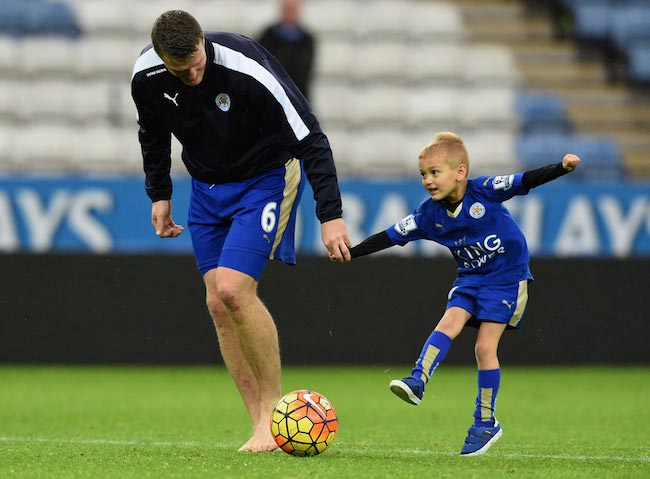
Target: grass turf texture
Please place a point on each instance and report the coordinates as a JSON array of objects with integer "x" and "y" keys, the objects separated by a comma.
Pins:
[{"x": 138, "y": 422}]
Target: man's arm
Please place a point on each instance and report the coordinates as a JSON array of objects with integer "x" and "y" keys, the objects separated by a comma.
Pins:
[
  {"x": 320, "y": 169},
  {"x": 155, "y": 142}
]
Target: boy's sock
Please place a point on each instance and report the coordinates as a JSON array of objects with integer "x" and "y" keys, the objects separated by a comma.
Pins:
[
  {"x": 488, "y": 387},
  {"x": 432, "y": 354}
]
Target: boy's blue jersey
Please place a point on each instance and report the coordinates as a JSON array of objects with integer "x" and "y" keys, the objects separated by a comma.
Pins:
[{"x": 484, "y": 239}]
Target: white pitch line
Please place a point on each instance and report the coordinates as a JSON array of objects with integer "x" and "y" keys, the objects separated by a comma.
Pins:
[
  {"x": 113, "y": 442},
  {"x": 346, "y": 450}
]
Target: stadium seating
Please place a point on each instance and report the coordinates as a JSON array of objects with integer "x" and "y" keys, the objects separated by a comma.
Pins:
[
  {"x": 629, "y": 41},
  {"x": 542, "y": 112},
  {"x": 388, "y": 75},
  {"x": 540, "y": 149},
  {"x": 620, "y": 29},
  {"x": 490, "y": 64}
]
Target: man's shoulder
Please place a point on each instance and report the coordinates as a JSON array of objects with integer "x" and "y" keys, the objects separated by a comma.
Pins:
[
  {"x": 148, "y": 64},
  {"x": 233, "y": 41}
]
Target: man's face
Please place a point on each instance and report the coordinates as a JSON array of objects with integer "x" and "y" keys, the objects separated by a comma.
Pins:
[{"x": 190, "y": 70}]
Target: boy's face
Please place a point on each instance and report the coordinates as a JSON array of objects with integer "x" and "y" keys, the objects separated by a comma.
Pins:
[
  {"x": 440, "y": 180},
  {"x": 190, "y": 70}
]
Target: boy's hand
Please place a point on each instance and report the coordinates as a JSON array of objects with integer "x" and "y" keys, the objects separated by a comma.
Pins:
[{"x": 570, "y": 161}]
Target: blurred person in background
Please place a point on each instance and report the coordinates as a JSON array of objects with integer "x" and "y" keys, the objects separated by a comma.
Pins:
[
  {"x": 249, "y": 140},
  {"x": 292, "y": 44},
  {"x": 491, "y": 288}
]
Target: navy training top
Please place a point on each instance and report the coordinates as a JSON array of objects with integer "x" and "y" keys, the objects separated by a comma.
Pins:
[{"x": 244, "y": 118}]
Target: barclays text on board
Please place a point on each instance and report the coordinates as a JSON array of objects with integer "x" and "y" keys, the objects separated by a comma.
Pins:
[{"x": 112, "y": 215}]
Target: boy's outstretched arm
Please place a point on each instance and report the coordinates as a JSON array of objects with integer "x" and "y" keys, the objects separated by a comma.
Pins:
[
  {"x": 539, "y": 176},
  {"x": 372, "y": 244}
]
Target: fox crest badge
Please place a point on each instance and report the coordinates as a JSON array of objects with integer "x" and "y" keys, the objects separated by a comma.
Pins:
[{"x": 223, "y": 101}]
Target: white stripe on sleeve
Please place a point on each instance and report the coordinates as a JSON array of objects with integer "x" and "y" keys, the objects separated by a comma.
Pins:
[
  {"x": 237, "y": 61},
  {"x": 147, "y": 60}
]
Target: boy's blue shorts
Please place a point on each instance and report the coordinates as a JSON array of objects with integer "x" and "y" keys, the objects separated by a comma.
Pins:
[
  {"x": 242, "y": 224},
  {"x": 504, "y": 304}
]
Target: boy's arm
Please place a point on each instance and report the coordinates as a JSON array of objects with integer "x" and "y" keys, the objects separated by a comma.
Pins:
[
  {"x": 372, "y": 244},
  {"x": 539, "y": 176}
]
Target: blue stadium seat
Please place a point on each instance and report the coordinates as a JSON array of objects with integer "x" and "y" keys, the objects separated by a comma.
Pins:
[
  {"x": 639, "y": 62},
  {"x": 630, "y": 41},
  {"x": 628, "y": 25},
  {"x": 633, "y": 3},
  {"x": 36, "y": 17},
  {"x": 591, "y": 18},
  {"x": 542, "y": 112},
  {"x": 51, "y": 18},
  {"x": 540, "y": 149},
  {"x": 12, "y": 18},
  {"x": 601, "y": 155}
]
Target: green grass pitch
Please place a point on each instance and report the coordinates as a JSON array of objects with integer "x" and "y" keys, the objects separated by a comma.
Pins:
[{"x": 187, "y": 422}]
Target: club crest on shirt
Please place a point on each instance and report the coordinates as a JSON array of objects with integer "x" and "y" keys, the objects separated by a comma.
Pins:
[
  {"x": 223, "y": 101},
  {"x": 477, "y": 210},
  {"x": 406, "y": 225}
]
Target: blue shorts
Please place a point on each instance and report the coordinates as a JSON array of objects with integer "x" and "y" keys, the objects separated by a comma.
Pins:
[
  {"x": 504, "y": 304},
  {"x": 242, "y": 224}
]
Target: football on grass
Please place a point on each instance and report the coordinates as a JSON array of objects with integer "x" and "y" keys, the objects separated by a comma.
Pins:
[{"x": 304, "y": 423}]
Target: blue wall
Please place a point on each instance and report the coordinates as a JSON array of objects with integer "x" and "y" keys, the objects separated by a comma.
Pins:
[{"x": 112, "y": 215}]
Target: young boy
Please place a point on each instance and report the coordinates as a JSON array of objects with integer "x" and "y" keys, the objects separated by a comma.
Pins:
[{"x": 490, "y": 291}]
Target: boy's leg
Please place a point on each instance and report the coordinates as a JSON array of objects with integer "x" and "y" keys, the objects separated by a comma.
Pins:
[
  {"x": 489, "y": 371},
  {"x": 433, "y": 352},
  {"x": 486, "y": 429},
  {"x": 411, "y": 388}
]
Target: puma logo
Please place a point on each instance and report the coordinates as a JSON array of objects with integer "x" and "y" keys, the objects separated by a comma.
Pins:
[
  {"x": 508, "y": 304},
  {"x": 172, "y": 99}
]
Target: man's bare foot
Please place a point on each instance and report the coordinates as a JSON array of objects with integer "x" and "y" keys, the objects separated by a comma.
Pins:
[
  {"x": 262, "y": 441},
  {"x": 254, "y": 445}
]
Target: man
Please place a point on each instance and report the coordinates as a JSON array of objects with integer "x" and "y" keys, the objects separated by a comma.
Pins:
[
  {"x": 291, "y": 44},
  {"x": 246, "y": 133}
]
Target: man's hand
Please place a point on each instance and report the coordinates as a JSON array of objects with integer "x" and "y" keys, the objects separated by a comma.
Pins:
[
  {"x": 161, "y": 219},
  {"x": 570, "y": 161},
  {"x": 334, "y": 234}
]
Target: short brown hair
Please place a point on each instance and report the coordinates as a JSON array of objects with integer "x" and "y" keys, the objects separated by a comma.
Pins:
[
  {"x": 176, "y": 34},
  {"x": 453, "y": 146}
]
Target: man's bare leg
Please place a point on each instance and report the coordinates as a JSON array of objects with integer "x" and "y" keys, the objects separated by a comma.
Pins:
[
  {"x": 249, "y": 342},
  {"x": 232, "y": 354}
]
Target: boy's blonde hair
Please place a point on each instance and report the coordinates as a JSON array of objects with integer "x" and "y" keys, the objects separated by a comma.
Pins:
[{"x": 451, "y": 145}]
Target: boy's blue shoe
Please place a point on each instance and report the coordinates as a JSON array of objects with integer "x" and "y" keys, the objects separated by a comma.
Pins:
[
  {"x": 409, "y": 389},
  {"x": 479, "y": 439}
]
